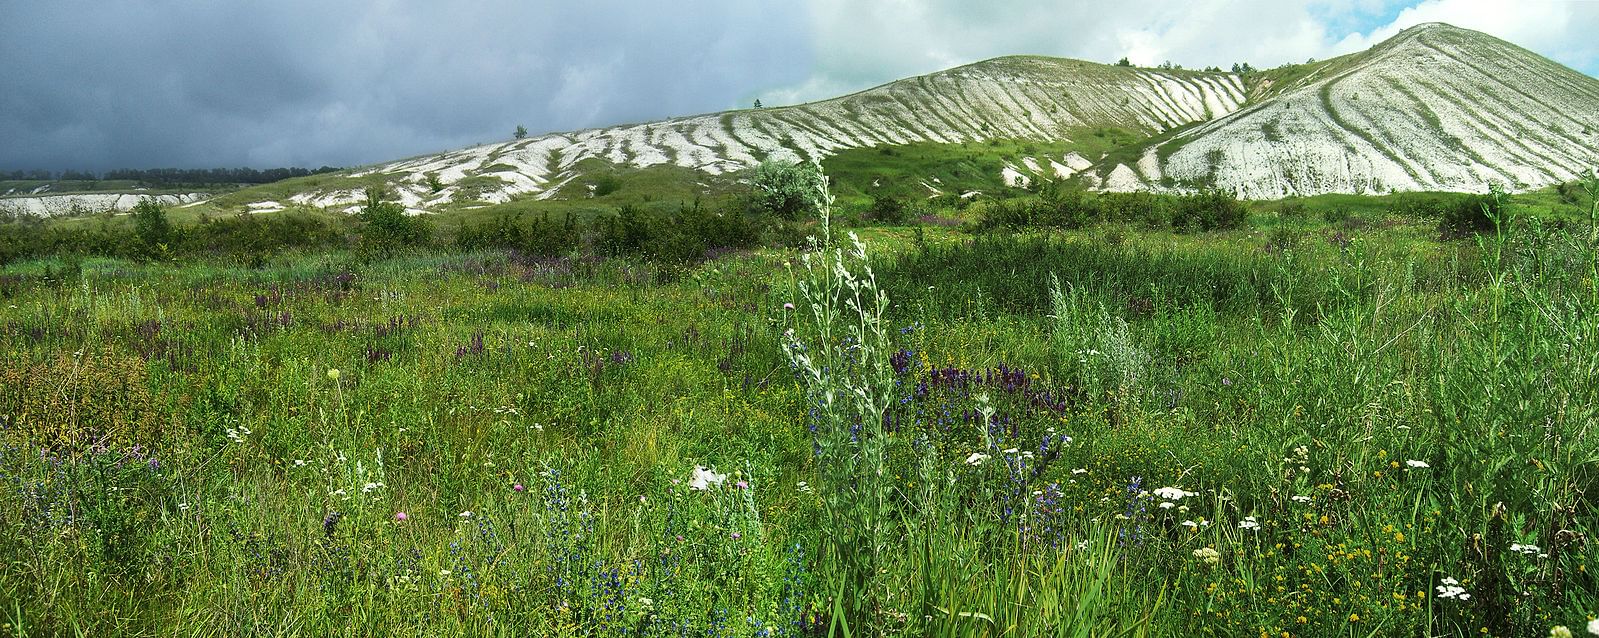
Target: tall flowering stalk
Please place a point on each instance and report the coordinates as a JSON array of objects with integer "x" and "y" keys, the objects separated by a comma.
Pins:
[{"x": 842, "y": 357}]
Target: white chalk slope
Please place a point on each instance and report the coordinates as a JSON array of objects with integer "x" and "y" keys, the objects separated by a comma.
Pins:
[
  {"x": 1011, "y": 98},
  {"x": 1433, "y": 108},
  {"x": 78, "y": 204}
]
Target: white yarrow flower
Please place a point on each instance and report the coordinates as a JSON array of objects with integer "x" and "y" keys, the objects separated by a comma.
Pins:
[
  {"x": 1249, "y": 523},
  {"x": 1173, "y": 493},
  {"x": 1417, "y": 464},
  {"x": 703, "y": 478},
  {"x": 976, "y": 459},
  {"x": 1451, "y": 590}
]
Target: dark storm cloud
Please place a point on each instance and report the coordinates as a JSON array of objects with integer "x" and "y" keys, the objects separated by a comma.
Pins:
[{"x": 127, "y": 83}]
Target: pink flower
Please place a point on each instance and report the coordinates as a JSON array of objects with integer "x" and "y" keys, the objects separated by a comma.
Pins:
[
  {"x": 788, "y": 306},
  {"x": 401, "y": 517},
  {"x": 743, "y": 485},
  {"x": 518, "y": 487},
  {"x": 737, "y": 536}
]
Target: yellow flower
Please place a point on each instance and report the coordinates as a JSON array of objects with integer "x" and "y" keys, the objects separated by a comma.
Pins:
[
  {"x": 1354, "y": 617},
  {"x": 333, "y": 374}
]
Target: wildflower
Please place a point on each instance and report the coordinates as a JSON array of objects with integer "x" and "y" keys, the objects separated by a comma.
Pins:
[
  {"x": 976, "y": 459},
  {"x": 1526, "y": 550},
  {"x": 1417, "y": 464},
  {"x": 641, "y": 498},
  {"x": 1451, "y": 589},
  {"x": 804, "y": 487},
  {"x": 1249, "y": 523},
  {"x": 1559, "y": 631},
  {"x": 1080, "y": 470},
  {"x": 788, "y": 306},
  {"x": 183, "y": 507},
  {"x": 369, "y": 487},
  {"x": 466, "y": 514},
  {"x": 1593, "y": 626},
  {"x": 1173, "y": 493},
  {"x": 702, "y": 479},
  {"x": 1166, "y": 505},
  {"x": 1300, "y": 499},
  {"x": 401, "y": 517},
  {"x": 333, "y": 374},
  {"x": 737, "y": 535},
  {"x": 645, "y": 603},
  {"x": 1208, "y": 555},
  {"x": 743, "y": 485},
  {"x": 299, "y": 462},
  {"x": 518, "y": 487},
  {"x": 1190, "y": 525},
  {"x": 1009, "y": 451}
]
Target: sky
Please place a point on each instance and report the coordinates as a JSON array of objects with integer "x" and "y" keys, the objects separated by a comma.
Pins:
[{"x": 103, "y": 84}]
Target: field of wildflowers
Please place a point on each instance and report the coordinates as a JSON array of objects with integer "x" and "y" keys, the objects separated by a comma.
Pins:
[{"x": 1364, "y": 431}]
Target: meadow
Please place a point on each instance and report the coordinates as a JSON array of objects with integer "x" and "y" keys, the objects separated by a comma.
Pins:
[{"x": 1310, "y": 425}]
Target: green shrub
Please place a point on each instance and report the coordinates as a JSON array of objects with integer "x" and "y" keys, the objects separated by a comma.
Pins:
[
  {"x": 1469, "y": 216},
  {"x": 887, "y": 209},
  {"x": 1208, "y": 210},
  {"x": 150, "y": 225},
  {"x": 786, "y": 191},
  {"x": 385, "y": 227}
]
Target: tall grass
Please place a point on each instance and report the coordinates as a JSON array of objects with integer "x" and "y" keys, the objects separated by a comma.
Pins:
[{"x": 1091, "y": 433}]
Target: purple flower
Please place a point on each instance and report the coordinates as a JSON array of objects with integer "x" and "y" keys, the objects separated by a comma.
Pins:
[
  {"x": 743, "y": 485},
  {"x": 401, "y": 517},
  {"x": 737, "y": 536},
  {"x": 518, "y": 487}
]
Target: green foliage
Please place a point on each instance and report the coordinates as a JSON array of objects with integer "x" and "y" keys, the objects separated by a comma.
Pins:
[
  {"x": 1124, "y": 62},
  {"x": 521, "y": 132},
  {"x": 385, "y": 227},
  {"x": 151, "y": 227},
  {"x": 887, "y": 209},
  {"x": 605, "y": 185},
  {"x": 1208, "y": 210},
  {"x": 786, "y": 191},
  {"x": 686, "y": 235}
]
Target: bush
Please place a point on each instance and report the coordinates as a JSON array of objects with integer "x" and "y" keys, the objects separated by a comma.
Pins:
[
  {"x": 386, "y": 227},
  {"x": 684, "y": 236},
  {"x": 1469, "y": 216},
  {"x": 887, "y": 209},
  {"x": 150, "y": 225},
  {"x": 786, "y": 191},
  {"x": 1208, "y": 210}
]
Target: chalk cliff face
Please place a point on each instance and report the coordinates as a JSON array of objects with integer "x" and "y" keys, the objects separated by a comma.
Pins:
[{"x": 1433, "y": 108}]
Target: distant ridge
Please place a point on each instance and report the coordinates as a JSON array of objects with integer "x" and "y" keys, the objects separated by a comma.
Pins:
[{"x": 1433, "y": 108}]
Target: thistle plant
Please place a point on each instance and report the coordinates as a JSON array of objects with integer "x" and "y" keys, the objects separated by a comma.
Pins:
[{"x": 842, "y": 358}]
